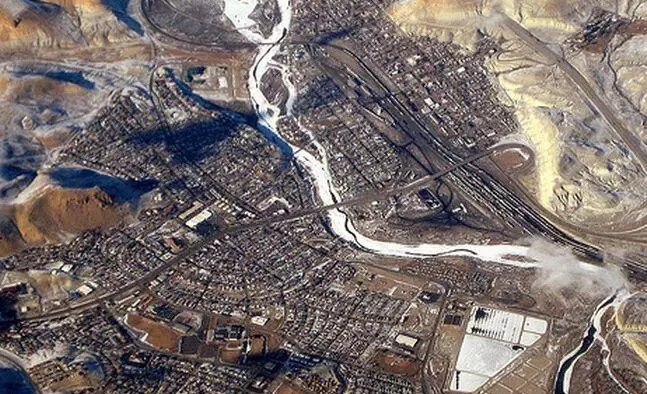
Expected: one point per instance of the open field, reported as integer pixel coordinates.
(396, 363)
(155, 334)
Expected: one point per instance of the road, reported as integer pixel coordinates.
(588, 93)
(634, 234)
(629, 235)
(507, 189)
(176, 259)
(402, 112)
(381, 194)
(193, 44)
(493, 195)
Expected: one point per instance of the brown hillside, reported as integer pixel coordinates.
(28, 30)
(10, 239)
(59, 212)
(28, 25)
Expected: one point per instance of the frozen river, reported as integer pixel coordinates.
(592, 334)
(320, 175)
(269, 115)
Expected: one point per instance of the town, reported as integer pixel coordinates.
(347, 218)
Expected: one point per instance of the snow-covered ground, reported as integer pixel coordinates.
(36, 358)
(492, 341)
(10, 360)
(485, 356)
(238, 13)
(612, 302)
(318, 170)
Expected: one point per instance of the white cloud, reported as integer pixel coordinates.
(560, 272)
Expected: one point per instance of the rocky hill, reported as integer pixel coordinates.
(58, 205)
(33, 24)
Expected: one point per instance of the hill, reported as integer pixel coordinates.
(31, 24)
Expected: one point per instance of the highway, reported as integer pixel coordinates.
(639, 150)
(507, 189)
(505, 195)
(592, 98)
(421, 135)
(588, 93)
(218, 234)
(473, 181)
(584, 88)
(366, 198)
(634, 234)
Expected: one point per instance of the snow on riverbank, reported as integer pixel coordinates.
(238, 12)
(39, 357)
(318, 170)
(592, 334)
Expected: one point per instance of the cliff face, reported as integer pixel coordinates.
(632, 314)
(628, 342)
(10, 238)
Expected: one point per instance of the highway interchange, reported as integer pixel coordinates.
(454, 166)
(462, 172)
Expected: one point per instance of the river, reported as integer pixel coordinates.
(318, 170)
(592, 334)
(268, 117)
